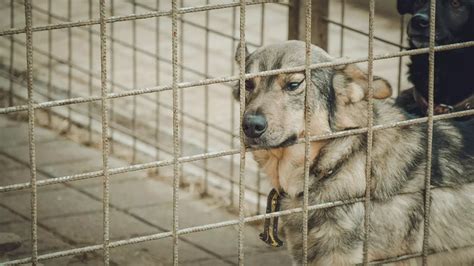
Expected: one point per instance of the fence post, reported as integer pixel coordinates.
(319, 25)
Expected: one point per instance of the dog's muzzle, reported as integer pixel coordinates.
(254, 125)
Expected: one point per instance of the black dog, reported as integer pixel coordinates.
(454, 69)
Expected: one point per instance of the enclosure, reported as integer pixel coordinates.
(120, 139)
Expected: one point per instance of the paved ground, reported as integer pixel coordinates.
(70, 215)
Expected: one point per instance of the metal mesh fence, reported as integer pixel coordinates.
(102, 114)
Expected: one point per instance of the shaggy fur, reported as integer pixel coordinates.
(339, 102)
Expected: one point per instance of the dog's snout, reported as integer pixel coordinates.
(254, 125)
(421, 21)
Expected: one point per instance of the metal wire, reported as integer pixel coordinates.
(112, 74)
(157, 81)
(134, 84)
(176, 123)
(69, 59)
(113, 19)
(429, 144)
(177, 107)
(206, 100)
(192, 158)
(91, 66)
(232, 111)
(50, 53)
(211, 226)
(226, 79)
(105, 137)
(12, 53)
(242, 60)
(370, 135)
(31, 132)
(307, 123)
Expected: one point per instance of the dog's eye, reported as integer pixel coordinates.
(249, 86)
(455, 3)
(293, 86)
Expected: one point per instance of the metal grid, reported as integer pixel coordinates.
(177, 85)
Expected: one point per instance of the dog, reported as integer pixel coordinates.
(274, 120)
(454, 83)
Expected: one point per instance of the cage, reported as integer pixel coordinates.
(123, 113)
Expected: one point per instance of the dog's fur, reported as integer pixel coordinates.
(454, 80)
(338, 101)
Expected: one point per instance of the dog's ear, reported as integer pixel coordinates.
(405, 6)
(351, 84)
(237, 53)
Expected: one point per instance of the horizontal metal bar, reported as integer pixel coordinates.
(130, 17)
(206, 227)
(124, 88)
(415, 255)
(182, 85)
(187, 159)
(199, 26)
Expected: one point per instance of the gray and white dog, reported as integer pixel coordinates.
(274, 120)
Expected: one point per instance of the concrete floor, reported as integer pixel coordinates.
(70, 215)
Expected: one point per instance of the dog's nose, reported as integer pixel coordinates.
(421, 21)
(254, 125)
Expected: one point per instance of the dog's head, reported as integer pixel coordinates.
(454, 21)
(274, 110)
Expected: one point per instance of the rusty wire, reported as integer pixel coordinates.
(113, 19)
(31, 132)
(104, 135)
(429, 144)
(242, 151)
(178, 159)
(307, 124)
(227, 79)
(370, 135)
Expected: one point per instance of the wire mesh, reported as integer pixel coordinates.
(177, 86)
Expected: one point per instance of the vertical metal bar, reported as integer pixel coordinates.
(105, 128)
(91, 66)
(307, 120)
(181, 78)
(12, 47)
(370, 133)
(69, 60)
(176, 124)
(31, 131)
(242, 136)
(429, 149)
(50, 60)
(112, 73)
(343, 22)
(134, 82)
(232, 112)
(157, 80)
(206, 99)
